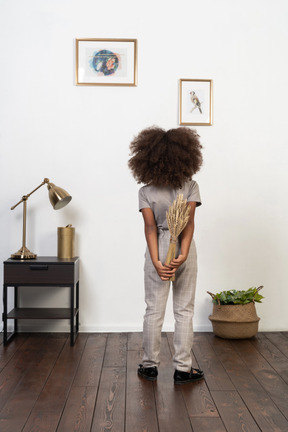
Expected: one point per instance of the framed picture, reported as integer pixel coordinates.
(106, 62)
(195, 106)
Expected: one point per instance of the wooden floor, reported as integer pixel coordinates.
(46, 385)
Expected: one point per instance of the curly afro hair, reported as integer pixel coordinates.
(163, 158)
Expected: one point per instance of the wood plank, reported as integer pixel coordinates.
(141, 412)
(198, 400)
(262, 408)
(264, 411)
(235, 367)
(207, 425)
(78, 412)
(135, 341)
(110, 409)
(116, 350)
(272, 354)
(273, 384)
(30, 386)
(24, 359)
(171, 407)
(6, 353)
(234, 412)
(280, 340)
(89, 369)
(47, 411)
(215, 375)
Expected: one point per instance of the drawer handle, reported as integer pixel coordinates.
(38, 267)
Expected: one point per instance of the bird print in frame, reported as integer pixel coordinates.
(195, 105)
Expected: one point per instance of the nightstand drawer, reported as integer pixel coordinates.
(33, 273)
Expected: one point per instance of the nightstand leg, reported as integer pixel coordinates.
(6, 338)
(15, 306)
(72, 315)
(5, 313)
(74, 327)
(77, 308)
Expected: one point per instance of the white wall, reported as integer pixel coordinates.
(79, 138)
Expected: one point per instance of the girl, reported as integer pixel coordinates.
(165, 162)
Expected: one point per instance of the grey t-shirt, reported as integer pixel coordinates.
(159, 199)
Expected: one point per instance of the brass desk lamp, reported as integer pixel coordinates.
(59, 198)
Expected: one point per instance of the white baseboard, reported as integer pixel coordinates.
(58, 327)
(61, 327)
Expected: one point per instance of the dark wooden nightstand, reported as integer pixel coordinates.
(42, 271)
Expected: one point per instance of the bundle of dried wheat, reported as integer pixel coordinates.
(177, 217)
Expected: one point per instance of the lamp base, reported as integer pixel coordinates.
(23, 253)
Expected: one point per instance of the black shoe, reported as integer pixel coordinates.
(188, 377)
(149, 373)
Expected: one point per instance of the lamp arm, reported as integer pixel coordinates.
(25, 197)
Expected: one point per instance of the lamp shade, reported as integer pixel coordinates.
(58, 197)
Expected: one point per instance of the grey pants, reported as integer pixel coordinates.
(156, 295)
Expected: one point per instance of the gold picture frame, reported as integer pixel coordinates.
(106, 62)
(195, 102)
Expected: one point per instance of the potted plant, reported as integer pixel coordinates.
(234, 314)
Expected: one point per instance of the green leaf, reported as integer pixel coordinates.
(238, 297)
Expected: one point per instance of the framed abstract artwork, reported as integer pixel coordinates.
(195, 104)
(106, 62)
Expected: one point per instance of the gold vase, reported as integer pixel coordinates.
(66, 242)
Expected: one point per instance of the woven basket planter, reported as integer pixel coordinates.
(235, 321)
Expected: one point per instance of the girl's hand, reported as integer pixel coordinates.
(164, 272)
(177, 262)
